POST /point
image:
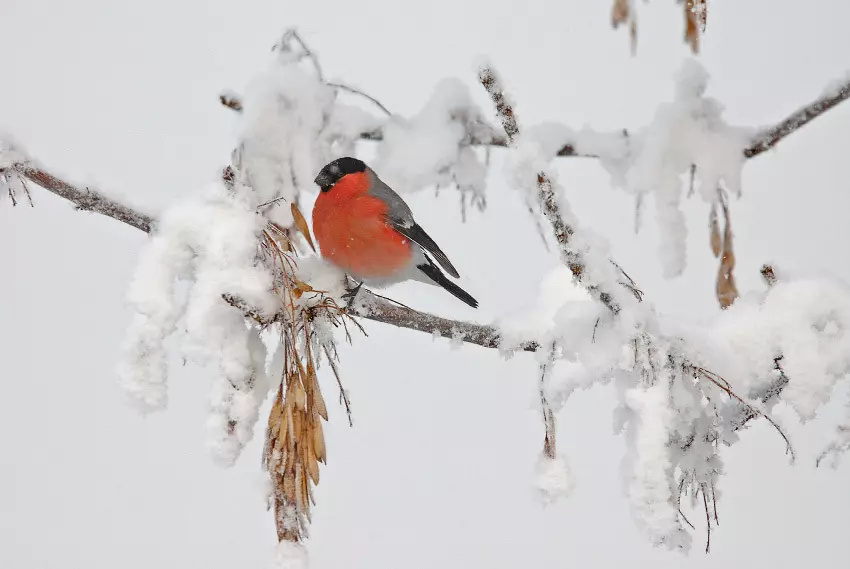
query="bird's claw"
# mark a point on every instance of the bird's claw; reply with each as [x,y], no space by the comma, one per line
[350,295]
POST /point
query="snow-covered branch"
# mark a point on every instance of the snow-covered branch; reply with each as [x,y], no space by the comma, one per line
[373,308]
[574,253]
[589,144]
[766,139]
[578,146]
[238,257]
[87,199]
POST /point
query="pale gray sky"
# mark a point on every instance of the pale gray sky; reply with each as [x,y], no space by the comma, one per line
[437,471]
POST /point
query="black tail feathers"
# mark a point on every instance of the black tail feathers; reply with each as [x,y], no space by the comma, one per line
[436,275]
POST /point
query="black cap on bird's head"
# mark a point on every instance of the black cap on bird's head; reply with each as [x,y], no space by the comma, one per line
[335,170]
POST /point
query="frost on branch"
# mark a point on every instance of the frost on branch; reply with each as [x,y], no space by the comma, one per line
[675,412]
[688,132]
[806,322]
[12,183]
[211,243]
[430,149]
[235,245]
[291,125]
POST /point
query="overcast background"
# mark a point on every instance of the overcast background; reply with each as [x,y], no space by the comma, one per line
[437,471]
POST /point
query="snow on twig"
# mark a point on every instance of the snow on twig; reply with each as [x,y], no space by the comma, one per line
[596,280]
[87,199]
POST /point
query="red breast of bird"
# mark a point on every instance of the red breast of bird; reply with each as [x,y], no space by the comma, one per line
[365,228]
[349,223]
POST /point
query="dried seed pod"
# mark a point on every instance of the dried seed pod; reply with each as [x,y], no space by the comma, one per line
[319,442]
[301,225]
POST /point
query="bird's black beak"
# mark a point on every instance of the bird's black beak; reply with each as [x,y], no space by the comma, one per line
[324,180]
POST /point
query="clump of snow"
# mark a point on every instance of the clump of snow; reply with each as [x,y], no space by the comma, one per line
[291,126]
[807,322]
[650,471]
[524,169]
[428,149]
[553,478]
[688,131]
[457,338]
[535,318]
[290,555]
[210,241]
[836,86]
[10,152]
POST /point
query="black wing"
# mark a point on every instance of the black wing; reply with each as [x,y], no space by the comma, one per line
[401,219]
[438,277]
[416,234]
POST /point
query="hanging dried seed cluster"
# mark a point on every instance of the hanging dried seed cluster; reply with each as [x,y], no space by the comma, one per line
[295,442]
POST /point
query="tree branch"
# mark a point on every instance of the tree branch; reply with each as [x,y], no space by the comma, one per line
[86,200]
[380,310]
[770,137]
[375,308]
[547,198]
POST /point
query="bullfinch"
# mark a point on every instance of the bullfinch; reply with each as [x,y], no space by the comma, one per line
[367,230]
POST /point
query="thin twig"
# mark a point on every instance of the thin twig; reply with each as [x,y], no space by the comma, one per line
[768,138]
[87,200]
[362,94]
[343,395]
[293,33]
[714,378]
[231,101]
[547,196]
[549,442]
[707,519]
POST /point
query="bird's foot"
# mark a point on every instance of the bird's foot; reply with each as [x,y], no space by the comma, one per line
[352,294]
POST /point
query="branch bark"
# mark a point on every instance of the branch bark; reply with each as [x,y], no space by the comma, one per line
[547,198]
[86,200]
[770,137]
[376,308]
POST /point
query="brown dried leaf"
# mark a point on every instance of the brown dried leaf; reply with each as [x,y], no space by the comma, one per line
[319,442]
[301,225]
[619,12]
[299,396]
[297,422]
[300,288]
[311,463]
[319,403]
[305,496]
[726,290]
[696,16]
